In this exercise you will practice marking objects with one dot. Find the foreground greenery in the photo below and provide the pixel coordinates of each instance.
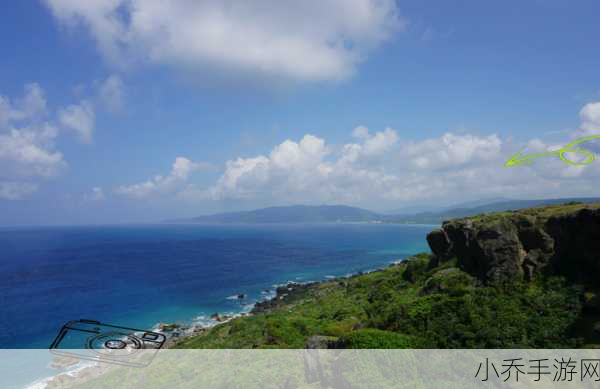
(411, 305)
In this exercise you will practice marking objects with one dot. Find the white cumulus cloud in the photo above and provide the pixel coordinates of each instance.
(590, 118)
(10, 190)
(380, 169)
(180, 172)
(96, 194)
(308, 40)
(28, 134)
(79, 118)
(27, 150)
(111, 93)
(32, 105)
(372, 146)
(307, 171)
(451, 150)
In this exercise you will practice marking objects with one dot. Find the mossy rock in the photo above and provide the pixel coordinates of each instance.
(451, 280)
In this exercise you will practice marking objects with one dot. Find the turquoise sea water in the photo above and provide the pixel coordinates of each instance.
(141, 275)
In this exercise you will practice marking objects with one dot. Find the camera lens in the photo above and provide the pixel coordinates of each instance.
(115, 344)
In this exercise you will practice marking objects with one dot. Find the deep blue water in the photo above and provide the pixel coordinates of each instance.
(141, 275)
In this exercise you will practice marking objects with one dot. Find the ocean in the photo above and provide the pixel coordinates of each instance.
(141, 275)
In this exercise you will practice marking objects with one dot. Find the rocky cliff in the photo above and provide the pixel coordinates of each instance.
(515, 245)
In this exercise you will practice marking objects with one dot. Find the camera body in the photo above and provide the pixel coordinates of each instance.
(96, 341)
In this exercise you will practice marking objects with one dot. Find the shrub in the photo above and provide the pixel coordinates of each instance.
(536, 315)
(415, 268)
(374, 338)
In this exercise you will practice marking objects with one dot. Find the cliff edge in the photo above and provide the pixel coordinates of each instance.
(521, 245)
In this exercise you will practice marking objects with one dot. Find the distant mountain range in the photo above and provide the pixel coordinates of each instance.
(346, 214)
(439, 217)
(291, 214)
(434, 208)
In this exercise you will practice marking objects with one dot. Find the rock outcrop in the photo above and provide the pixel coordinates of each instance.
(284, 295)
(506, 246)
(320, 342)
(166, 327)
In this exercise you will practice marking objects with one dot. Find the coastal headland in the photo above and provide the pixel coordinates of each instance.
(511, 279)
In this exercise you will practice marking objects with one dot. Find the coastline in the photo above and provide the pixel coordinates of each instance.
(177, 333)
(283, 294)
(279, 294)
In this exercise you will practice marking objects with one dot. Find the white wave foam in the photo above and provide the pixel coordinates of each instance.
(72, 371)
(40, 384)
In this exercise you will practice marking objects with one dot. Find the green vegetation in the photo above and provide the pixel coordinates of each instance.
(372, 338)
(500, 207)
(510, 279)
(542, 213)
(411, 305)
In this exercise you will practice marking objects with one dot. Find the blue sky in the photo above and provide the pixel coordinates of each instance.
(135, 89)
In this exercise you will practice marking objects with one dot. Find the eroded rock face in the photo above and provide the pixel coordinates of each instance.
(577, 244)
(439, 243)
(520, 245)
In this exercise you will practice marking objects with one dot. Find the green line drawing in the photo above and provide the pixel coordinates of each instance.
(520, 159)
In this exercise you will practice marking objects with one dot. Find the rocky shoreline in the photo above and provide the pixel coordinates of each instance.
(176, 333)
(285, 294)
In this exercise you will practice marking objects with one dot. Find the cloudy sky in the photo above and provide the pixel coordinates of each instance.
(140, 110)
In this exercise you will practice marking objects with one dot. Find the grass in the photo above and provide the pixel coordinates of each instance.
(542, 213)
(391, 308)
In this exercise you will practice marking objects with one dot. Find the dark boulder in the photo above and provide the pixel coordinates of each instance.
(166, 327)
(439, 243)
